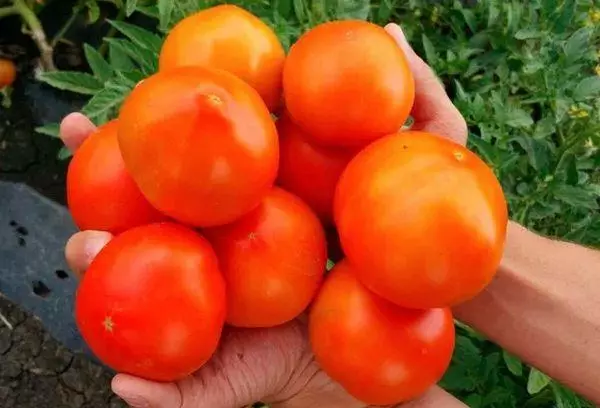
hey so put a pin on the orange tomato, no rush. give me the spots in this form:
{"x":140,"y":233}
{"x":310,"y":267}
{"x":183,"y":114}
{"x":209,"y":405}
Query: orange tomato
{"x":8,"y":72}
{"x":309,"y":171}
{"x":101,"y":195}
{"x":152,"y":303}
{"x":229,"y":38}
{"x":200,"y":144}
{"x":273,"y":261}
{"x":347,"y":83}
{"x":382,"y":354}
{"x":422,"y":219}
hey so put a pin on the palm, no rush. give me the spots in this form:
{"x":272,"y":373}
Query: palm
{"x":273,"y":365}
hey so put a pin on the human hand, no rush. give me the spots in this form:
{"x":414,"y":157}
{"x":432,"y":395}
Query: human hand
{"x":271,"y":365}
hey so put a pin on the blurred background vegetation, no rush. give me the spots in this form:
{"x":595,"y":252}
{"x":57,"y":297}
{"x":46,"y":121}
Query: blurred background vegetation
{"x":526,"y":76}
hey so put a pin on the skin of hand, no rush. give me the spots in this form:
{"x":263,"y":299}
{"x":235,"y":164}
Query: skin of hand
{"x":272,"y":365}
{"x":542,"y":306}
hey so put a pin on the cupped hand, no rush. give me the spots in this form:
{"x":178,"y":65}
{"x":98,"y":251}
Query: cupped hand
{"x":272,"y":365}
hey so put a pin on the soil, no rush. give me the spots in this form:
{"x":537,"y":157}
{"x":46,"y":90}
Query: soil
{"x":36,"y":370}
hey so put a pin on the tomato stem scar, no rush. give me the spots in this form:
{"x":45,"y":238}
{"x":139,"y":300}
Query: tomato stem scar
{"x":108,"y":324}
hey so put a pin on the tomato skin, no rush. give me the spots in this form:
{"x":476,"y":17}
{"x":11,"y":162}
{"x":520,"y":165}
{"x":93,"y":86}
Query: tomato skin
{"x":101,"y":195}
{"x":273,"y":261}
{"x":422,"y":218}
{"x":200,"y":144}
{"x":354,"y":64}
{"x":8,"y":72}
{"x":152,"y":304}
{"x":309,"y":171}
{"x":229,"y":38}
{"x":379,"y":352}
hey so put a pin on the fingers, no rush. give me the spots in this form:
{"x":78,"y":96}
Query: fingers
{"x":433,"y":110}
{"x":250,"y":365}
{"x":139,"y":393}
{"x":83,"y":247}
{"x":74,"y":128}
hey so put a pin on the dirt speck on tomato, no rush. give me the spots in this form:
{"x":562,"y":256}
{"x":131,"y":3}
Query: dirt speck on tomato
{"x":109,"y":324}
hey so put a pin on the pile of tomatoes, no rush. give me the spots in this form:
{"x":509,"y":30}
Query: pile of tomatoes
{"x":220,"y":178}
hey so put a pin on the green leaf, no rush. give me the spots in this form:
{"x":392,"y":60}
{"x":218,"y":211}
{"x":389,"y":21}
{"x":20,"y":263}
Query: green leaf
{"x":93,"y":11}
{"x":566,"y":398}
{"x":146,"y":59}
{"x":130,"y":6}
{"x":165,"y":9}
{"x":101,"y":69}
{"x":514,"y":365}
{"x":353,"y":9}
{"x":51,"y":129}
{"x":586,"y":88}
{"x":330,"y":264}
{"x":430,"y":54}
{"x":78,"y":82}
{"x":577,"y":196}
{"x":537,"y":381}
{"x":143,"y":38}
{"x":118,"y":58}
{"x":528,"y":33}
{"x":63,"y":153}
{"x":577,"y":44}
{"x":105,"y":101}
{"x":538,"y":153}
{"x":517,"y":118}
{"x":300,"y":10}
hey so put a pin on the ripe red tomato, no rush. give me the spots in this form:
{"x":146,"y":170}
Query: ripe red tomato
{"x":8,"y":72}
{"x":311,"y":172}
{"x":273,"y":260}
{"x":229,"y":38}
{"x":152,"y":304}
{"x":422,"y":218}
{"x":101,"y":194}
{"x":379,"y":352}
{"x":347,"y":83}
{"x":200,"y":144}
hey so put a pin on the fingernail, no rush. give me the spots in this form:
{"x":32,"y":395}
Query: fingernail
{"x":396,"y":32}
{"x":95,"y":241}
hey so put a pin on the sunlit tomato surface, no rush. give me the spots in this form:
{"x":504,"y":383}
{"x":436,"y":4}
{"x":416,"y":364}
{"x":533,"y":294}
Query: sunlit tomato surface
{"x":273,"y":260}
{"x":422,"y":218}
{"x":230,"y":38}
{"x":348,"y":83}
{"x":379,"y":352}
{"x":310,"y":171}
{"x":200,"y":144}
{"x":101,"y":194}
{"x":152,"y":304}
{"x":8,"y":72}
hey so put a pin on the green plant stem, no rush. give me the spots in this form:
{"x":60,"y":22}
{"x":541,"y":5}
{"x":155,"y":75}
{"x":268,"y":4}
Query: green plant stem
{"x":37,"y":33}
{"x":111,"y":32}
{"x":63,"y":30}
{"x":7,"y":11}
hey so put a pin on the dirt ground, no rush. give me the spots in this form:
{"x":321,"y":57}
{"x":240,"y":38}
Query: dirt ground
{"x":37,"y":371}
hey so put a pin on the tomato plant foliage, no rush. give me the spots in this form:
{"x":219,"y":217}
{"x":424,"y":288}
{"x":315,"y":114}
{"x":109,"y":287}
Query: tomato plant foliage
{"x":525,"y":75}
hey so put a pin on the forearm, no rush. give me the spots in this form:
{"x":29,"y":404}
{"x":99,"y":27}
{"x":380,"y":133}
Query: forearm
{"x":544,"y":305}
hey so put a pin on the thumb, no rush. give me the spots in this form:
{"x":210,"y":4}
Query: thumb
{"x":433,"y":111}
{"x":140,"y":393}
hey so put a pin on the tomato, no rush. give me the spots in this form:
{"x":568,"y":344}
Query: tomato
{"x":101,"y":194}
{"x":347,"y":83}
{"x":379,"y":352}
{"x":152,"y":304}
{"x":229,"y":38}
{"x":422,"y":218}
{"x":8,"y":72}
{"x":310,"y":171}
{"x":273,"y":260}
{"x":200,"y":144}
